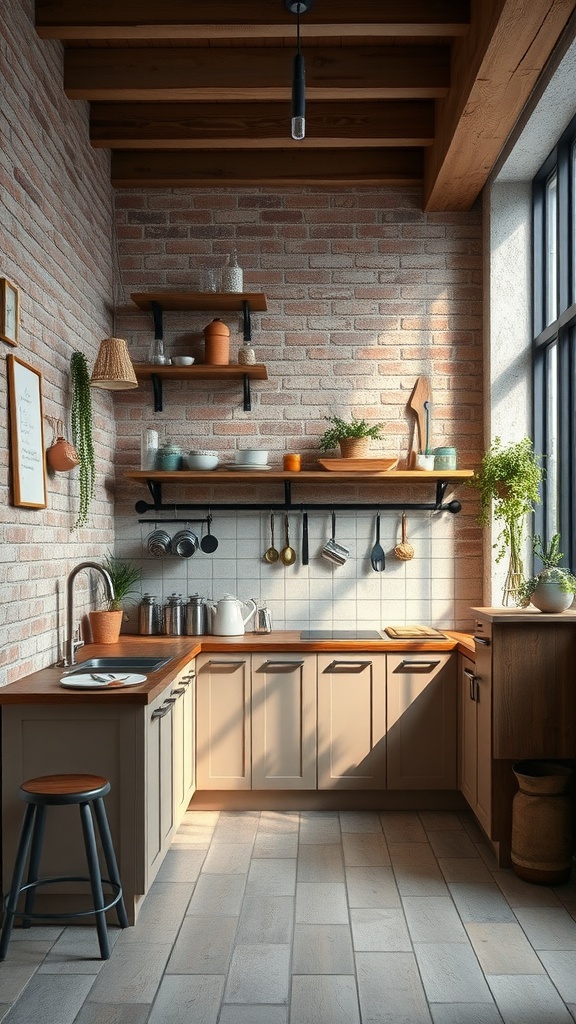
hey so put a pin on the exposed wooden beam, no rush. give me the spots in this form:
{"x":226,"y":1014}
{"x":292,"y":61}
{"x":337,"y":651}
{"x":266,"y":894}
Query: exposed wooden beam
{"x":250,"y":73}
{"x":259,"y":125}
{"x":289,"y":167}
{"x":231,"y":19}
{"x":494,"y":69}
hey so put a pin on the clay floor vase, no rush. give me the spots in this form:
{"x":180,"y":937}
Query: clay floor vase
{"x":542,"y":823}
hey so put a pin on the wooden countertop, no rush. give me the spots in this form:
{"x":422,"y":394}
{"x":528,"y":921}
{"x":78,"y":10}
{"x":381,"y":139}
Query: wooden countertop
{"x":43,"y":687}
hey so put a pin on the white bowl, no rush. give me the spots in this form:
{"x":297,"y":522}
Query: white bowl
{"x":202,"y":451}
{"x":201,"y":461}
{"x":251,"y":457}
{"x":182,"y":360}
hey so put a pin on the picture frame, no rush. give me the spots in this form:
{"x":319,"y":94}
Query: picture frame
{"x":9,"y":311}
{"x":27,"y":456}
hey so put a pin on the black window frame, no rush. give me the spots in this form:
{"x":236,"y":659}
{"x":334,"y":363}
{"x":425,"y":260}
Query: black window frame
{"x":561,"y":332}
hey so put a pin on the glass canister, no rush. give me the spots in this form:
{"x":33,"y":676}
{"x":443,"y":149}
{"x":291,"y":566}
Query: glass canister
{"x":149,"y":618}
{"x":445,"y":458}
{"x":174,"y":621}
{"x":232,"y":276}
{"x":148,"y":448}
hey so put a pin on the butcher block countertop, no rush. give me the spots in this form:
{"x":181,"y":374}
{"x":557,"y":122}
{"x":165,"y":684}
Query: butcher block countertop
{"x":43,"y":687}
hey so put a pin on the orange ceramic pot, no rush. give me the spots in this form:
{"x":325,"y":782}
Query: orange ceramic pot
{"x":105,"y":626}
{"x":62,"y":456}
{"x":217,"y":343}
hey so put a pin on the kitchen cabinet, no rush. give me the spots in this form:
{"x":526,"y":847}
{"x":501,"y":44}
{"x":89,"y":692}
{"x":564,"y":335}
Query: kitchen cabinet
{"x":283,"y":721}
{"x":475,"y":735}
{"x":352,"y":721}
{"x":421,"y":714}
{"x":223,"y":733}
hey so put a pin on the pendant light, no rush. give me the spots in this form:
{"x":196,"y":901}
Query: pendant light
{"x":298,"y":124}
{"x":113,"y":369}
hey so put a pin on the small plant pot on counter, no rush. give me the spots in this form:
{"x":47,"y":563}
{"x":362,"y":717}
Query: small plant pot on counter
{"x":105,"y":626}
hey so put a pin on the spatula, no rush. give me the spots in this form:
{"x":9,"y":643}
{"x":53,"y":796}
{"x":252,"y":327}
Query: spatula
{"x":377,"y":557}
{"x":418,"y":400}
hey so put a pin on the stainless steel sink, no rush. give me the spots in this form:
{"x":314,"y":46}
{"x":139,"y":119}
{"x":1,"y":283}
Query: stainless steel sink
{"x":150,"y":664}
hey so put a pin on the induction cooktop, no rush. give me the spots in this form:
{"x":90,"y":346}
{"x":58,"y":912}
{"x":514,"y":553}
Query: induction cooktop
{"x":340,"y":634}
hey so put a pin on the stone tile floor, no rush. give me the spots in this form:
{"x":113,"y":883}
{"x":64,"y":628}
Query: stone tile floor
{"x":314,"y":918}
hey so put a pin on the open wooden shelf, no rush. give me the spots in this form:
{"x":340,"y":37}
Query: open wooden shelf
{"x":201,"y":371}
{"x":231,"y":475}
{"x":201,"y":301}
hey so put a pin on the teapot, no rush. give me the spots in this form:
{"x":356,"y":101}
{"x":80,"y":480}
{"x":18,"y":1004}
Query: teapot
{"x":227,"y":619}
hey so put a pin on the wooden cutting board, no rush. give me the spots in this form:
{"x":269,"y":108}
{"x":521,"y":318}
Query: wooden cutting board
{"x":420,"y":394}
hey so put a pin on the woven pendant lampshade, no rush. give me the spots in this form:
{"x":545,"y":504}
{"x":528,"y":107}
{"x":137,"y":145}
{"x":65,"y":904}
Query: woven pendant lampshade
{"x":113,"y":368}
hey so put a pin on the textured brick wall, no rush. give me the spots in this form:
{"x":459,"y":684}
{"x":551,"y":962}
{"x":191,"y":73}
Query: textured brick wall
{"x":365,"y":293}
{"x":55,"y":245}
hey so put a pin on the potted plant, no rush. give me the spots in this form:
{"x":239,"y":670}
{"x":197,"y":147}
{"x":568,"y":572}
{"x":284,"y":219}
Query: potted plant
{"x":553,"y":588}
{"x":105,"y":623}
{"x":508,"y":481}
{"x":353,"y":437}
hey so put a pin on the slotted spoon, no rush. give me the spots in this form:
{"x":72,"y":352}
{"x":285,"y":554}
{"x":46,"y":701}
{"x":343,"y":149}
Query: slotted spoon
{"x":377,"y":556}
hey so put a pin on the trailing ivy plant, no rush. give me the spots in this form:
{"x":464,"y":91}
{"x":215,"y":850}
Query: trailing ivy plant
{"x":508,"y":481}
{"x":82,"y":433}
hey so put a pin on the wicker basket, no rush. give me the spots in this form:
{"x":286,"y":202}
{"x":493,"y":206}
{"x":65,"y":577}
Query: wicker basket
{"x":355,"y":447}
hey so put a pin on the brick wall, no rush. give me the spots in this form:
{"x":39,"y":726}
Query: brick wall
{"x":365,"y":293}
{"x":55,"y":246}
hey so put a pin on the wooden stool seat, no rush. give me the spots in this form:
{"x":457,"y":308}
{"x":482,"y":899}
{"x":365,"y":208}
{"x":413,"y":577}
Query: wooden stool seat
{"x":87,"y":791}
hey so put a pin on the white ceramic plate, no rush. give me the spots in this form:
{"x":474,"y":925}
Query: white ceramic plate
{"x":247,"y":466}
{"x":84,"y":681}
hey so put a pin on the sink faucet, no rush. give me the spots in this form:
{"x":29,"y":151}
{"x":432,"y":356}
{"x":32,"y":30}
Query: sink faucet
{"x":71,"y":644}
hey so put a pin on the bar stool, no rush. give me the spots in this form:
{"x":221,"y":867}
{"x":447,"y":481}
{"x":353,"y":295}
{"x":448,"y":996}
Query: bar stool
{"x":87,"y":791}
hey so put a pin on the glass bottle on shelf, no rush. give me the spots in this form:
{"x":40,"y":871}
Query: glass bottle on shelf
{"x":232,"y":276}
{"x":157,"y":354}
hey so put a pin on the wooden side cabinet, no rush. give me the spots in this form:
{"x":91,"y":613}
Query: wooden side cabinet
{"x":352,"y":721}
{"x":475,"y":736}
{"x":421,"y":697}
{"x":283,"y":721}
{"x":223,"y":733}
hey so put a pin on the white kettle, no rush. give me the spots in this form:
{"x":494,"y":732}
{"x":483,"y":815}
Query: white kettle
{"x":227,"y":619}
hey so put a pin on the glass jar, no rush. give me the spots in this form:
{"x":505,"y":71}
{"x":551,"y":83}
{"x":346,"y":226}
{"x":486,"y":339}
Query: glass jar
{"x":292,"y":462}
{"x":445,"y":458}
{"x":168,"y":457}
{"x":157,"y":354}
{"x":232,"y":276}
{"x":148,"y":448}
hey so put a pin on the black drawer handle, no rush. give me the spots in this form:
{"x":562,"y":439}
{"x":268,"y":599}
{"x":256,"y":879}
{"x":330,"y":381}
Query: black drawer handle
{"x":419,"y":664}
{"x":281,"y":664}
{"x":226,"y":664}
{"x":473,"y":684}
{"x":164,"y":709}
{"x":354,"y":666}
{"x":482,"y":640}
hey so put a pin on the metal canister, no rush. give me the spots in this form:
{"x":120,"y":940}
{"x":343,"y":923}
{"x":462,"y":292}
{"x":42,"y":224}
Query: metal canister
{"x":149,"y":618}
{"x":174,"y":616}
{"x":196,"y":616}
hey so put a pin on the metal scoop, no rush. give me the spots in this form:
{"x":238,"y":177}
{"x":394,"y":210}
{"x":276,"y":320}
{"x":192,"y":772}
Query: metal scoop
{"x":271,"y":555}
{"x":377,"y":557}
{"x":288,"y":555}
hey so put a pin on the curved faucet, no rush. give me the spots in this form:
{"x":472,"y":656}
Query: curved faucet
{"x":71,"y":644}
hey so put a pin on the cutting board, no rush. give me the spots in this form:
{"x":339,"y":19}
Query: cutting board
{"x":419,"y":396}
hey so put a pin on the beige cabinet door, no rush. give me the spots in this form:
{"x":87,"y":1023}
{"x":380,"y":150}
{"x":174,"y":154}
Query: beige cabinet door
{"x":223,"y":741}
{"x":483,"y":809}
{"x":352,"y":722}
{"x":284,"y":721}
{"x":467,"y":726}
{"x":421,"y":696}
{"x":159,"y":782}
{"x":183,"y":728}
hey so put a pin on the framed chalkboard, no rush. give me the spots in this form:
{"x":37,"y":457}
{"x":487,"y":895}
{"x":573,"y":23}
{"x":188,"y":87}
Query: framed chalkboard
{"x":27,"y":458}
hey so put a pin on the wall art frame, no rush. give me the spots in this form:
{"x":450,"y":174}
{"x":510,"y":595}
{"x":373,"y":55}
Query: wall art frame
{"x":9,"y":311}
{"x":27,"y":456}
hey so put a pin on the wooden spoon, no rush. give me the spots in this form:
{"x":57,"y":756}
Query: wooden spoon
{"x":404,"y":551}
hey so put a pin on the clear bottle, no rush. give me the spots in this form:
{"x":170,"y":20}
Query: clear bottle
{"x":148,"y":448}
{"x":157,"y":354}
{"x":232,"y":276}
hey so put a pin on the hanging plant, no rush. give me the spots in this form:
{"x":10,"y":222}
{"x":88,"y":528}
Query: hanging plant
{"x":508,"y":481}
{"x":82,"y":433}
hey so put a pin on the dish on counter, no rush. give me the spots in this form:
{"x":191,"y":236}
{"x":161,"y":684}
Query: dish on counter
{"x":358,"y":465}
{"x":86,"y":681}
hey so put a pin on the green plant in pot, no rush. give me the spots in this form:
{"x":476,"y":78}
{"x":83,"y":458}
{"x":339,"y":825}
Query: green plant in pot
{"x":508,"y":481}
{"x":106,"y":623}
{"x":553,"y":588}
{"x":353,"y":436}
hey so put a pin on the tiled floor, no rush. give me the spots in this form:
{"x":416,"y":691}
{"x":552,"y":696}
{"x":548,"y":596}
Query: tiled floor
{"x":314,"y":918}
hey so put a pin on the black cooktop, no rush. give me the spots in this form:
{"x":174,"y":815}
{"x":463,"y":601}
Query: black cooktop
{"x":340,"y":634}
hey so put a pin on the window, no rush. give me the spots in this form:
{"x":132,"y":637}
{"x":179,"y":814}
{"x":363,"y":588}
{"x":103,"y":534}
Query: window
{"x":554,"y":344}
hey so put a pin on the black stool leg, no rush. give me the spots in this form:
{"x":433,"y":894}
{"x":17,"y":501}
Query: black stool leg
{"x":95,"y":879}
{"x":19,"y":866}
{"x":34,"y":867}
{"x":110,"y":856}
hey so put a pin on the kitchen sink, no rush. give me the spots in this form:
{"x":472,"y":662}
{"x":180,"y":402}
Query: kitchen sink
{"x":149,"y":664}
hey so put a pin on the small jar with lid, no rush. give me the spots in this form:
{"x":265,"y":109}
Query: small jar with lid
{"x":445,"y":458}
{"x":169,"y":457}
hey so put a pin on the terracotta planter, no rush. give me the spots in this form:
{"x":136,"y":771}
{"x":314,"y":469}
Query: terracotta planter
{"x":105,"y":626}
{"x":217,"y":343}
{"x":355,"y":447}
{"x":541,"y":823}
{"x":62,"y":456}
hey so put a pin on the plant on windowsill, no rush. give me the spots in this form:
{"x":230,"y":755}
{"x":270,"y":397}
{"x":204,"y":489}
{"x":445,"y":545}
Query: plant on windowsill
{"x":508,"y":481}
{"x":106,"y":623}
{"x":353,"y":437}
{"x":553,"y":588}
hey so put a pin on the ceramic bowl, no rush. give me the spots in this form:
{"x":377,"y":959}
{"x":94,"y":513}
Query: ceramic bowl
{"x":205,"y":460}
{"x":182,"y":360}
{"x":251,"y":457}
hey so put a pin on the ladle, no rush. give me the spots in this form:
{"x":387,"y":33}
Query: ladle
{"x":209,"y":542}
{"x":271,"y":555}
{"x":288,"y":555}
{"x":377,"y":557}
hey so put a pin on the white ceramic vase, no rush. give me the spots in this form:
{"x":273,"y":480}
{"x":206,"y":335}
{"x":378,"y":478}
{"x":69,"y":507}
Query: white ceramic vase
{"x":549,"y":597}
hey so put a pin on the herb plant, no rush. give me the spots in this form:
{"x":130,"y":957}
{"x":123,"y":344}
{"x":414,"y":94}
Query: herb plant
{"x":342,"y":430}
{"x":82,"y":438}
{"x":125,"y":576}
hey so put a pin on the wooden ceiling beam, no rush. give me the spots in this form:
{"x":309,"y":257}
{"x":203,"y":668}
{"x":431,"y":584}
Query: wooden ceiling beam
{"x":250,"y":73}
{"x":283,"y":168}
{"x":259,"y":125}
{"x":494,"y":70}
{"x":239,"y":19}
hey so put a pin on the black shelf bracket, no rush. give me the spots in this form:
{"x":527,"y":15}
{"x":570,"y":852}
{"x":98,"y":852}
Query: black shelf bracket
{"x":247,"y":323}
{"x":155,"y":489}
{"x":157,"y":391}
{"x":157,"y":314}
{"x":247,"y":396}
{"x":441,"y":486}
